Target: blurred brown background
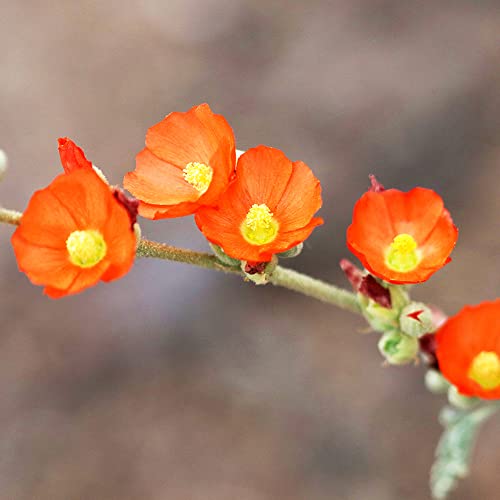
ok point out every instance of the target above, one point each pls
(182, 384)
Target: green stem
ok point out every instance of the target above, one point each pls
(286, 278)
(156, 250)
(317, 289)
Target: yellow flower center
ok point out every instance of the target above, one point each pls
(402, 255)
(86, 248)
(259, 226)
(199, 175)
(485, 370)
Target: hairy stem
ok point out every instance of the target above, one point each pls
(312, 287)
(286, 278)
(155, 250)
(10, 216)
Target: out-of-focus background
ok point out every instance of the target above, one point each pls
(182, 384)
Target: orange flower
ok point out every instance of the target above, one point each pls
(267, 209)
(72, 157)
(188, 162)
(468, 350)
(74, 233)
(401, 237)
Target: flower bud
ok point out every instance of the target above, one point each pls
(459, 401)
(366, 284)
(416, 320)
(376, 187)
(435, 382)
(399, 297)
(293, 252)
(438, 317)
(397, 348)
(382, 318)
(3, 163)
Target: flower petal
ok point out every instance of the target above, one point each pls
(85, 196)
(121, 243)
(263, 174)
(85, 278)
(157, 182)
(380, 216)
(295, 211)
(46, 222)
(473, 330)
(43, 265)
(194, 136)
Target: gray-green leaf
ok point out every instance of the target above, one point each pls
(453, 453)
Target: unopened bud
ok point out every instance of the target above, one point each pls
(399, 297)
(370, 287)
(366, 284)
(416, 320)
(382, 318)
(3, 163)
(438, 317)
(376, 187)
(293, 252)
(397, 348)
(435, 382)
(460, 401)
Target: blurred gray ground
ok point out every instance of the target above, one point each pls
(181, 384)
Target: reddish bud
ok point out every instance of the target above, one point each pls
(376, 187)
(72, 157)
(366, 284)
(353, 273)
(374, 290)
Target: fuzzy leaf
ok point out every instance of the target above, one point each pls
(454, 451)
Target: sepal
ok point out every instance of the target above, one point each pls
(293, 252)
(223, 257)
(435, 382)
(380, 318)
(459, 401)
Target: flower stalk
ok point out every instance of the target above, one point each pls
(282, 277)
(10, 216)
